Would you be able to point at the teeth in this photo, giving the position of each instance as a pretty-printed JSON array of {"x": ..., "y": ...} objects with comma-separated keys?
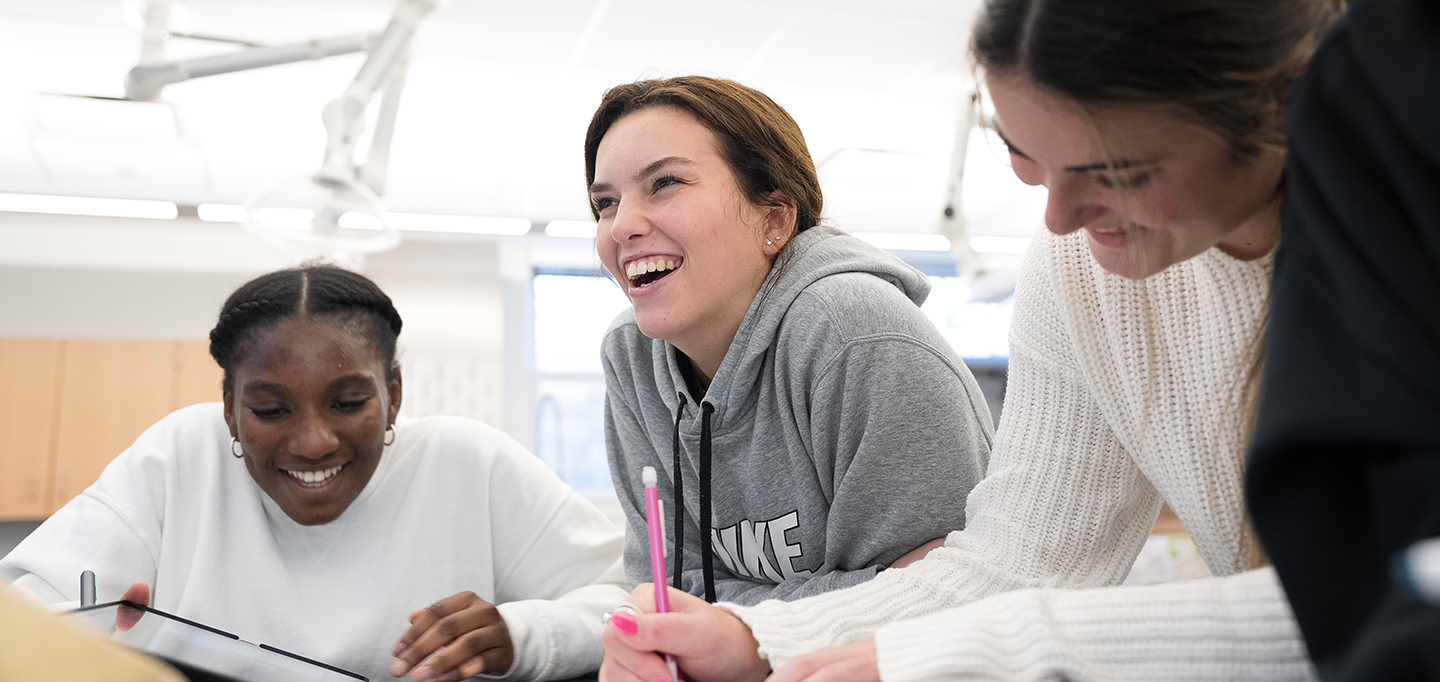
[
  {"x": 315, "y": 476},
  {"x": 638, "y": 268}
]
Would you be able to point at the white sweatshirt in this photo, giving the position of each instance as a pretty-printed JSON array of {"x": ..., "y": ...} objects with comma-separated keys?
[
  {"x": 455, "y": 505},
  {"x": 1121, "y": 393}
]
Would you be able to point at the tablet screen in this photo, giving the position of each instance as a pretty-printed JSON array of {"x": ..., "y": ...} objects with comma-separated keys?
[{"x": 203, "y": 652}]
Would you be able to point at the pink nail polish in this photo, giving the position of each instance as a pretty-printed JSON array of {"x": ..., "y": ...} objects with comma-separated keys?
[{"x": 624, "y": 623}]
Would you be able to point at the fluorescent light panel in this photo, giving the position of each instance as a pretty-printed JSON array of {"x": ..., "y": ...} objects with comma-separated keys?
[
  {"x": 222, "y": 213},
  {"x": 905, "y": 241},
  {"x": 1013, "y": 245},
  {"x": 412, "y": 222},
  {"x": 88, "y": 206},
  {"x": 573, "y": 229},
  {"x": 463, "y": 224}
]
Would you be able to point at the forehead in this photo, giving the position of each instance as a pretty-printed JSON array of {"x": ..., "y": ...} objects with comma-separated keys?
[
  {"x": 1047, "y": 125},
  {"x": 652, "y": 133},
  {"x": 308, "y": 347}
]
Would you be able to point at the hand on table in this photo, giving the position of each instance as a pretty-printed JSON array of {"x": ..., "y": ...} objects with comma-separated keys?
[
  {"x": 469, "y": 629},
  {"x": 126, "y": 617},
  {"x": 854, "y": 662},
  {"x": 709, "y": 644}
]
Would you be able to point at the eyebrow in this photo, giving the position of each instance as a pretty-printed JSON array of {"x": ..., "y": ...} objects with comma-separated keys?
[
  {"x": 280, "y": 389},
  {"x": 1118, "y": 165},
  {"x": 643, "y": 172}
]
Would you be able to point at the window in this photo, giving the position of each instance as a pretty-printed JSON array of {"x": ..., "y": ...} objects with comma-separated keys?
[{"x": 572, "y": 312}]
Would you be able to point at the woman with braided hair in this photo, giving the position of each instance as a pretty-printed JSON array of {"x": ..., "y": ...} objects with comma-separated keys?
[{"x": 301, "y": 512}]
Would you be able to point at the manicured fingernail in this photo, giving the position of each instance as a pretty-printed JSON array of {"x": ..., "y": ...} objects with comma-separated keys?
[
  {"x": 624, "y": 623},
  {"x": 421, "y": 674},
  {"x": 398, "y": 668}
]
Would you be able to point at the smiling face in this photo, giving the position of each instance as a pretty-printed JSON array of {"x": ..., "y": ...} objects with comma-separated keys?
[
  {"x": 1173, "y": 191},
  {"x": 310, "y": 407},
  {"x": 687, "y": 248}
]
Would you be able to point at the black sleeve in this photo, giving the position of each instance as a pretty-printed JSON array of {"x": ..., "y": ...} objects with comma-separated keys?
[{"x": 1345, "y": 466}]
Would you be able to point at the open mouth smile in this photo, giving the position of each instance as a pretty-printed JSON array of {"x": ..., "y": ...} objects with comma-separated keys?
[
  {"x": 314, "y": 479},
  {"x": 644, "y": 272}
]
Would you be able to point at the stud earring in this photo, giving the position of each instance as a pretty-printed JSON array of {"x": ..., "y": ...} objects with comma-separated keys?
[
  {"x": 233, "y": 443},
  {"x": 769, "y": 241}
]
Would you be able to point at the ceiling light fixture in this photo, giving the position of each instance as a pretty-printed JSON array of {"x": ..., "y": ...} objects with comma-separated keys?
[
  {"x": 88, "y": 206},
  {"x": 905, "y": 241},
  {"x": 222, "y": 213},
  {"x": 335, "y": 212},
  {"x": 459, "y": 224},
  {"x": 571, "y": 229},
  {"x": 999, "y": 245}
]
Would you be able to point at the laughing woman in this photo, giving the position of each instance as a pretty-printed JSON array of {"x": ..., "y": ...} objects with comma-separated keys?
[
  {"x": 810, "y": 426},
  {"x": 302, "y": 513}
]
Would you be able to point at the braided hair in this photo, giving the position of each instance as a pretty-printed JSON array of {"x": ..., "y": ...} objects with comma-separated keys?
[{"x": 308, "y": 290}]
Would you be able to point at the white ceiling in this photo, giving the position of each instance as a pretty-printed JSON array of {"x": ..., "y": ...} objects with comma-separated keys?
[{"x": 498, "y": 98}]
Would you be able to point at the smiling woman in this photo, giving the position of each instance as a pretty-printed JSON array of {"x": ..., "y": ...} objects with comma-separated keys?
[
  {"x": 810, "y": 426},
  {"x": 348, "y": 528}
]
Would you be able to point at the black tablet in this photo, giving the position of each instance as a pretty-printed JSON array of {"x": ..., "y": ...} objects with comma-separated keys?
[{"x": 203, "y": 653}]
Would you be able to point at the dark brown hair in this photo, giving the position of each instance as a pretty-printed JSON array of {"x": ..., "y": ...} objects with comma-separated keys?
[
  {"x": 1224, "y": 64},
  {"x": 758, "y": 140}
]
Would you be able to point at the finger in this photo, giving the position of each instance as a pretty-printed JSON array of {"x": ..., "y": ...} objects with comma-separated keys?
[
  {"x": 421, "y": 620},
  {"x": 487, "y": 647},
  {"x": 138, "y": 593},
  {"x": 643, "y": 597},
  {"x": 630, "y": 661},
  {"x": 854, "y": 662},
  {"x": 126, "y": 617}
]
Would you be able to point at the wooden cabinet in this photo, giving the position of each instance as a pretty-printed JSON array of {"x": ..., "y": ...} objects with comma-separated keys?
[
  {"x": 28, "y": 405},
  {"x": 71, "y": 405}
]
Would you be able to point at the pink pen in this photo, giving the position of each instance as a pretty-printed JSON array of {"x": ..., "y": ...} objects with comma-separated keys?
[{"x": 655, "y": 522}]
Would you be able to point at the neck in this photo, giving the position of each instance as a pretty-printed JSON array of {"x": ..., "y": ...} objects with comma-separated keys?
[{"x": 1258, "y": 235}]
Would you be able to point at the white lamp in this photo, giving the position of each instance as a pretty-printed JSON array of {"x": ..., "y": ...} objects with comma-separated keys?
[{"x": 337, "y": 211}]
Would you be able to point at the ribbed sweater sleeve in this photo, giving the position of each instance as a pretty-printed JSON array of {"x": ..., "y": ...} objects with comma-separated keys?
[
  {"x": 1118, "y": 389},
  {"x": 1232, "y": 628}
]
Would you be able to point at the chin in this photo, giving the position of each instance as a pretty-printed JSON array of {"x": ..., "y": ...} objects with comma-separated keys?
[{"x": 1125, "y": 263}]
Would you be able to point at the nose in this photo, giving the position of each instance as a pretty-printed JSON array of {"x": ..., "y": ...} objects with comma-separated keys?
[
  {"x": 1069, "y": 207},
  {"x": 313, "y": 438},
  {"x": 629, "y": 222}
]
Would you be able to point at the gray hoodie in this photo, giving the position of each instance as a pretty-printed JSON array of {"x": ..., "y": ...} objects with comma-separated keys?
[{"x": 840, "y": 432}]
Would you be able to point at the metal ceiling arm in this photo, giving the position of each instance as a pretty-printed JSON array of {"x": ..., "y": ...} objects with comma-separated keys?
[
  {"x": 377, "y": 157},
  {"x": 344, "y": 117},
  {"x": 144, "y": 82},
  {"x": 952, "y": 222}
]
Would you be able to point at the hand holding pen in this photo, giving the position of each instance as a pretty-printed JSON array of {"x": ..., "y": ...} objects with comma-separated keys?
[{"x": 713, "y": 644}]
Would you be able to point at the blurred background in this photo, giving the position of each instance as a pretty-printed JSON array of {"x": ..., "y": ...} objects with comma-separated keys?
[{"x": 124, "y": 222}]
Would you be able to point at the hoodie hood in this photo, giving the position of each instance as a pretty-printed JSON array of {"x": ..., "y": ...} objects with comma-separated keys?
[{"x": 812, "y": 255}]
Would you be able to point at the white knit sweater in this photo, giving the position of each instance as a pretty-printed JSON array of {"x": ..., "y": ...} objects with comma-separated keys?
[{"x": 1121, "y": 393}]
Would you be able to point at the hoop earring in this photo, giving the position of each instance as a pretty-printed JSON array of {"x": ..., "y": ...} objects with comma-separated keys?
[
  {"x": 233, "y": 443},
  {"x": 390, "y": 431}
]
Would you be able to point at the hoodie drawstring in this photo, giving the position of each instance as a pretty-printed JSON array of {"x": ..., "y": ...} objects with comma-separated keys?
[
  {"x": 707, "y": 552},
  {"x": 678, "y": 496}
]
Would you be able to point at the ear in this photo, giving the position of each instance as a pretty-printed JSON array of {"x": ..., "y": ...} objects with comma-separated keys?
[
  {"x": 229, "y": 399},
  {"x": 780, "y": 218},
  {"x": 395, "y": 395}
]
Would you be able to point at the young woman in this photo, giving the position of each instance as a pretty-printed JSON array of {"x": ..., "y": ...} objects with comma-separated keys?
[
  {"x": 810, "y": 426},
  {"x": 1155, "y": 125},
  {"x": 301, "y": 513}
]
